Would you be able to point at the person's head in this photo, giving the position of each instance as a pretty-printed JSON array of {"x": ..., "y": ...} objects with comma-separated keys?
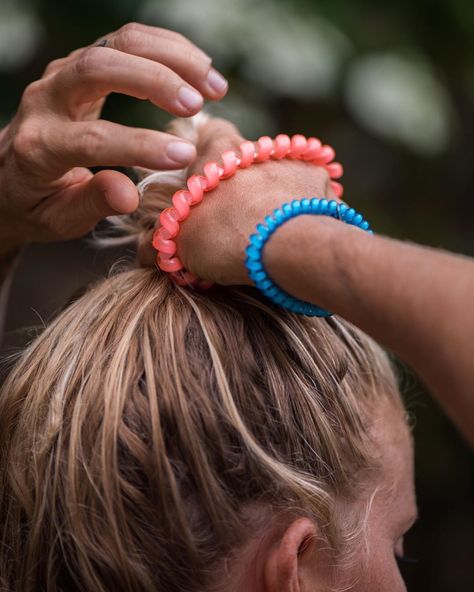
[{"x": 161, "y": 439}]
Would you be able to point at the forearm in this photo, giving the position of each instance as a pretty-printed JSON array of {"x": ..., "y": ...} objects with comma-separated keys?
[{"x": 415, "y": 300}]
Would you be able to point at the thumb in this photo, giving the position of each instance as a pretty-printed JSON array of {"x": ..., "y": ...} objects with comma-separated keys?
[{"x": 107, "y": 193}]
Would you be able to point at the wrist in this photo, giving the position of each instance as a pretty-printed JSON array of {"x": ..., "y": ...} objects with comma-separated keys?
[
  {"x": 293, "y": 178},
  {"x": 304, "y": 276},
  {"x": 287, "y": 253}
]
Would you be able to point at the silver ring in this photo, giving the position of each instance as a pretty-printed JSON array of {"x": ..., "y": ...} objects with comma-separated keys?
[{"x": 102, "y": 43}]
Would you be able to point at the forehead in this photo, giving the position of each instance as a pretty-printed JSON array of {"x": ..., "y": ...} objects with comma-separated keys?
[{"x": 396, "y": 489}]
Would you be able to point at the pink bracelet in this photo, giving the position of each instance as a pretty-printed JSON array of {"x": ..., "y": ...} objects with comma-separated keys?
[{"x": 298, "y": 147}]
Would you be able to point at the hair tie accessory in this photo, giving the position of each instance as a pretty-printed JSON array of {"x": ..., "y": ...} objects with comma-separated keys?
[
  {"x": 297, "y": 147},
  {"x": 257, "y": 242}
]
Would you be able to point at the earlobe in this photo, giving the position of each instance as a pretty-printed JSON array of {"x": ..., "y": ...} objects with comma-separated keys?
[{"x": 284, "y": 569}]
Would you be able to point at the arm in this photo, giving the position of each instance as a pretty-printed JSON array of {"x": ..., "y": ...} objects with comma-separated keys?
[{"x": 417, "y": 301}]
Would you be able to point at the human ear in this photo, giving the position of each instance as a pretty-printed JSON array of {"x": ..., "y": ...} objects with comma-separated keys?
[{"x": 290, "y": 565}]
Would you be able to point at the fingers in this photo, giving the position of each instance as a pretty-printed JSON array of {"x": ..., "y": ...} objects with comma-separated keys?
[
  {"x": 99, "y": 71},
  {"x": 163, "y": 34},
  {"x": 106, "y": 194},
  {"x": 76, "y": 209},
  {"x": 125, "y": 38},
  {"x": 215, "y": 137},
  {"x": 103, "y": 143},
  {"x": 181, "y": 57},
  {"x": 143, "y": 62},
  {"x": 82, "y": 206},
  {"x": 59, "y": 63}
]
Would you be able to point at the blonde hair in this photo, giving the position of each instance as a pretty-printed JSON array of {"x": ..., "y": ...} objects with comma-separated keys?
[{"x": 139, "y": 428}]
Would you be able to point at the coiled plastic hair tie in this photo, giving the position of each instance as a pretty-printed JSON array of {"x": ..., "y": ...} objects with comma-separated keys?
[
  {"x": 297, "y": 147},
  {"x": 263, "y": 231}
]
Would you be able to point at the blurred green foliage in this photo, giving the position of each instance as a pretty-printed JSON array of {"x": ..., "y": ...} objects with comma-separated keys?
[{"x": 390, "y": 85}]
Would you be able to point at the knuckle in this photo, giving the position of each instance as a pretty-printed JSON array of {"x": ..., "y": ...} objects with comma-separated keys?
[
  {"x": 75, "y": 52},
  {"x": 145, "y": 143},
  {"x": 127, "y": 39},
  {"x": 93, "y": 139},
  {"x": 194, "y": 64},
  {"x": 178, "y": 37},
  {"x": 165, "y": 78},
  {"x": 31, "y": 93},
  {"x": 132, "y": 26},
  {"x": 53, "y": 67},
  {"x": 88, "y": 61},
  {"x": 172, "y": 35},
  {"x": 26, "y": 142}
]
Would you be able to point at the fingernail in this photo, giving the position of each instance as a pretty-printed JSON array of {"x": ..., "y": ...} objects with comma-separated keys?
[
  {"x": 217, "y": 83},
  {"x": 190, "y": 99},
  {"x": 180, "y": 152}
]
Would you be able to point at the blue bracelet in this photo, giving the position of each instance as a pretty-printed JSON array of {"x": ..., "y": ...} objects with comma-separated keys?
[{"x": 257, "y": 241}]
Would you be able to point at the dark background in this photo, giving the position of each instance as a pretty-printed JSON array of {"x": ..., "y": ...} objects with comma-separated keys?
[{"x": 389, "y": 84}]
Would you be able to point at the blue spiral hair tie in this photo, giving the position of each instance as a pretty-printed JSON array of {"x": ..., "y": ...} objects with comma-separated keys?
[{"x": 257, "y": 242}]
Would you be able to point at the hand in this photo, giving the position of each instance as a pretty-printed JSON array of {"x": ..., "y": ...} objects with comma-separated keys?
[
  {"x": 212, "y": 241},
  {"x": 46, "y": 190}
]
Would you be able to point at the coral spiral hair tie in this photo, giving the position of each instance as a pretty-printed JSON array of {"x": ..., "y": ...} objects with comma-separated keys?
[{"x": 297, "y": 147}]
